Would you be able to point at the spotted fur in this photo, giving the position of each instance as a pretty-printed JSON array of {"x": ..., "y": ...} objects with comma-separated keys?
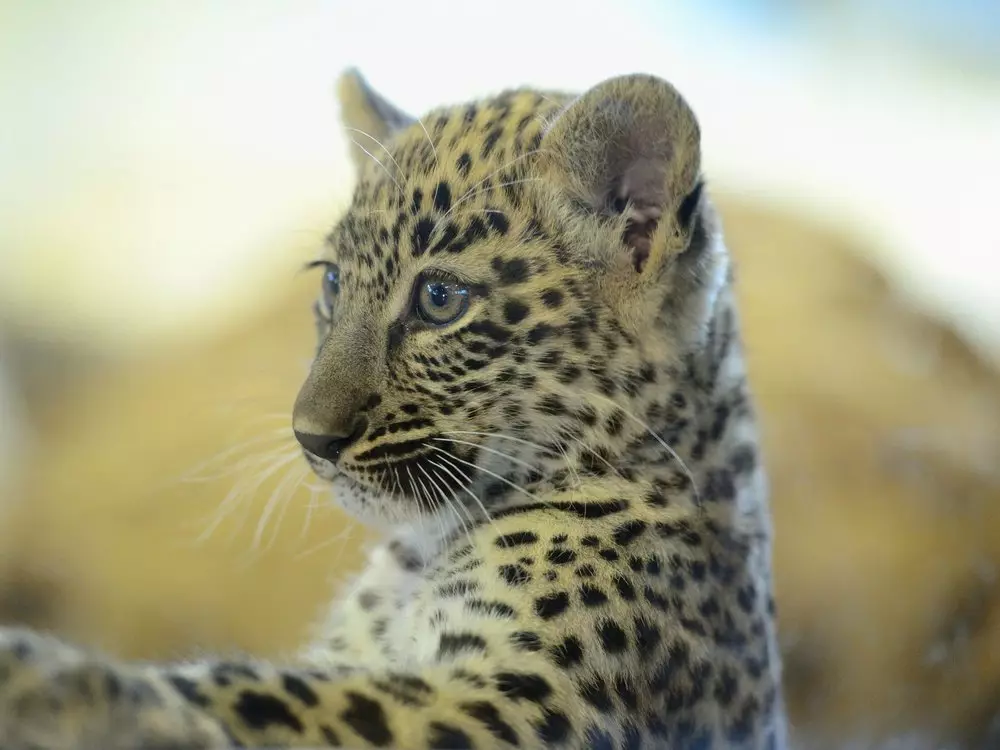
[{"x": 579, "y": 543}]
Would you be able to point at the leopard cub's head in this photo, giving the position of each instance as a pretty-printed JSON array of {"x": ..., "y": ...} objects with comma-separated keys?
[{"x": 507, "y": 296}]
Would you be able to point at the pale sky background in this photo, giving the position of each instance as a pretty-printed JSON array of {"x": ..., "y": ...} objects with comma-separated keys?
[{"x": 160, "y": 159}]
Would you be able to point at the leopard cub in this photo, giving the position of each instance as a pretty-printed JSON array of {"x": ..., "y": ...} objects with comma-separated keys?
[{"x": 529, "y": 372}]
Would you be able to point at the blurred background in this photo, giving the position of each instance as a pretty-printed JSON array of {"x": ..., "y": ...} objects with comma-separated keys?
[{"x": 165, "y": 168}]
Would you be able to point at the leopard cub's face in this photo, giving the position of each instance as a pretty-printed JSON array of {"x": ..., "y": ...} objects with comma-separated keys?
[{"x": 488, "y": 318}]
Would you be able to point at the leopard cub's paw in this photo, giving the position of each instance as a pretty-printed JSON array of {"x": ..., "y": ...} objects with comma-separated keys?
[{"x": 55, "y": 696}]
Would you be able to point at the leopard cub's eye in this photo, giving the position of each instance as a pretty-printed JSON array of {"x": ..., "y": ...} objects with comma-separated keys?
[
  {"x": 440, "y": 300},
  {"x": 331, "y": 284}
]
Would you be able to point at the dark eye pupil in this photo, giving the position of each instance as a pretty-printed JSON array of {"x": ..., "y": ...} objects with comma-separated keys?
[
  {"x": 333, "y": 280},
  {"x": 438, "y": 294}
]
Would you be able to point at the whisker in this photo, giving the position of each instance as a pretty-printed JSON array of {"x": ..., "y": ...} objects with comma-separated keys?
[
  {"x": 294, "y": 481},
  {"x": 506, "y": 481},
  {"x": 429, "y": 141},
  {"x": 661, "y": 441},
  {"x": 272, "y": 503},
  {"x": 473, "y": 193},
  {"x": 341, "y": 536},
  {"x": 387, "y": 172},
  {"x": 501, "y": 435},
  {"x": 446, "y": 502},
  {"x": 494, "y": 451},
  {"x": 470, "y": 493},
  {"x": 194, "y": 474},
  {"x": 239, "y": 494},
  {"x": 596, "y": 455},
  {"x": 381, "y": 146}
]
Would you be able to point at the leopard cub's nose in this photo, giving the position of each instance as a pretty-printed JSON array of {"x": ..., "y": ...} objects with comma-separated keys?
[
  {"x": 324, "y": 446},
  {"x": 330, "y": 446}
]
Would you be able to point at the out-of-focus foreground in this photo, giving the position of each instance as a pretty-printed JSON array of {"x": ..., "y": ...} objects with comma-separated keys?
[{"x": 153, "y": 334}]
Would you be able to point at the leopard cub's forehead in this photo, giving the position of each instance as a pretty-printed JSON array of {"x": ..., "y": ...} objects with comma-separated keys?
[{"x": 454, "y": 178}]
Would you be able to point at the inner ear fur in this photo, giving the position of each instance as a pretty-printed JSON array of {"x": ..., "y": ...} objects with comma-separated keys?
[
  {"x": 369, "y": 119},
  {"x": 629, "y": 149}
]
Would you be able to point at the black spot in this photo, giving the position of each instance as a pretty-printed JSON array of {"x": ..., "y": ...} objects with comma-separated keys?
[
  {"x": 590, "y": 541},
  {"x": 591, "y": 596},
  {"x": 332, "y": 738},
  {"x": 523, "y": 686},
  {"x": 490, "y": 717},
  {"x": 490, "y": 142},
  {"x": 367, "y": 718},
  {"x": 746, "y": 597},
  {"x": 656, "y": 599},
  {"x": 454, "y": 643},
  {"x": 368, "y": 600},
  {"x": 569, "y": 374},
  {"x": 614, "y": 423},
  {"x": 515, "y": 575},
  {"x": 719, "y": 486},
  {"x": 422, "y": 235},
  {"x": 560, "y": 539},
  {"x": 475, "y": 231},
  {"x": 260, "y": 711},
  {"x": 595, "y": 692},
  {"x": 609, "y": 554},
  {"x": 625, "y": 588},
  {"x": 457, "y": 589},
  {"x": 551, "y": 605},
  {"x": 297, "y": 686},
  {"x": 447, "y": 737},
  {"x": 627, "y": 692},
  {"x": 551, "y": 404},
  {"x": 511, "y": 272},
  {"x": 613, "y": 638},
  {"x": 442, "y": 197},
  {"x": 526, "y": 640},
  {"x": 491, "y": 608},
  {"x": 585, "y": 571},
  {"x": 560, "y": 556},
  {"x": 688, "y": 205},
  {"x": 112, "y": 686},
  {"x": 567, "y": 653},
  {"x": 629, "y": 531},
  {"x": 189, "y": 689},
  {"x": 586, "y": 510},
  {"x": 498, "y": 221},
  {"x": 743, "y": 459},
  {"x": 698, "y": 570},
  {"x": 726, "y": 687},
  {"x": 464, "y": 164},
  {"x": 598, "y": 739},
  {"x": 633, "y": 739},
  {"x": 491, "y": 330},
  {"x": 539, "y": 333},
  {"x": 552, "y": 298},
  {"x": 514, "y": 311},
  {"x": 647, "y": 635},
  {"x": 516, "y": 539},
  {"x": 554, "y": 727}
]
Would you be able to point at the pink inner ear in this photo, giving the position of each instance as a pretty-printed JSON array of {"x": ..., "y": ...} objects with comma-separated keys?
[
  {"x": 642, "y": 190},
  {"x": 638, "y": 237},
  {"x": 643, "y": 184}
]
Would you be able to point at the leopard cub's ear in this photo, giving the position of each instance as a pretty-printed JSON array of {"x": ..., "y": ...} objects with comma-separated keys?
[
  {"x": 368, "y": 118},
  {"x": 630, "y": 148}
]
